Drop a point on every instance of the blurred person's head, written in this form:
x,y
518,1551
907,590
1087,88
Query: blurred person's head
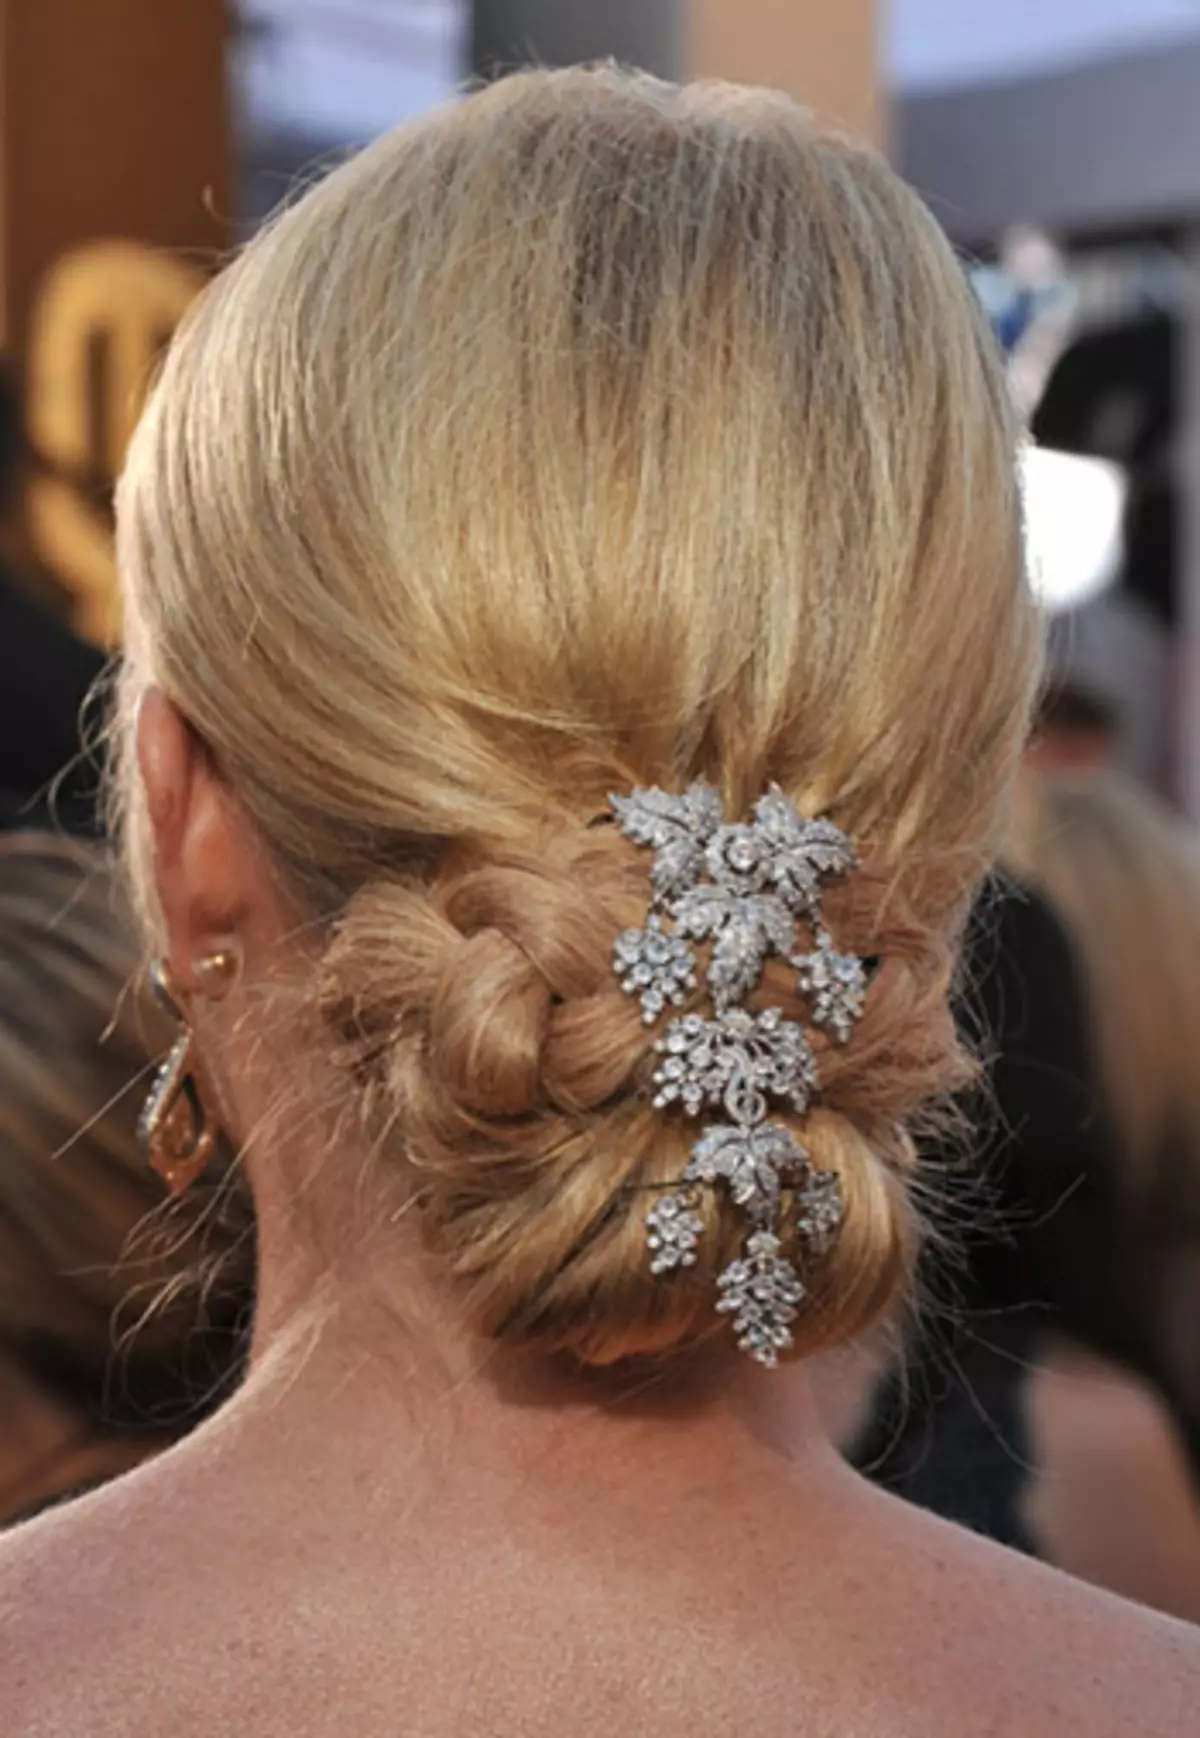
x,y
1123,870
119,1324
1123,1241
588,434
1075,728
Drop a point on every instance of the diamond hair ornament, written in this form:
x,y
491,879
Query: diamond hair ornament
x,y
745,887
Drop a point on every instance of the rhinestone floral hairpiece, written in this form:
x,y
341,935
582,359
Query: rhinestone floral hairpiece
x,y
744,887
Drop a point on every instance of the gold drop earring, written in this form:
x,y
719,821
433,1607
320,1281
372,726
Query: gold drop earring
x,y
176,1128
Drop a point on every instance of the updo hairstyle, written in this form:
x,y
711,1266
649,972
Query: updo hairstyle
x,y
590,433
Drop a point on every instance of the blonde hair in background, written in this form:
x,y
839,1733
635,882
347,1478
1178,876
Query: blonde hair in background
x,y
1124,872
588,433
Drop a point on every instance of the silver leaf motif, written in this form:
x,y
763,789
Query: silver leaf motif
x,y
703,808
802,853
754,1163
677,829
676,865
746,928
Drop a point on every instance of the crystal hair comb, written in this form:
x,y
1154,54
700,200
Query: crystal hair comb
x,y
745,888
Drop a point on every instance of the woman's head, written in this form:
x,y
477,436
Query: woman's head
x,y
1124,872
587,434
98,1301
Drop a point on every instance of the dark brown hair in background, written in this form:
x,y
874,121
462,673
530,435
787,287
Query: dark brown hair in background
x,y
129,1311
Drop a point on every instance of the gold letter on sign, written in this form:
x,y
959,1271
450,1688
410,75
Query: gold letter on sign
x,y
98,324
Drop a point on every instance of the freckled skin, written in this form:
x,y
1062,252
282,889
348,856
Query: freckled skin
x,y
359,1544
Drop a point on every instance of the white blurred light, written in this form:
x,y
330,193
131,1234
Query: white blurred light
x,y
1073,513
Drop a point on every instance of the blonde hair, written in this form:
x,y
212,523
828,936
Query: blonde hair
x,y
593,432
1124,872
86,1268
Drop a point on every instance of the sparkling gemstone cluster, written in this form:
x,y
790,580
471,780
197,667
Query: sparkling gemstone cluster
x,y
745,888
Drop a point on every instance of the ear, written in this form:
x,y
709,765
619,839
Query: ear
x,y
207,862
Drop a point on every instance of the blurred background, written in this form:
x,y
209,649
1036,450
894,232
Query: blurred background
x,y
1058,142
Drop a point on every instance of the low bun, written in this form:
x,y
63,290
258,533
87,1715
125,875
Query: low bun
x,y
481,1017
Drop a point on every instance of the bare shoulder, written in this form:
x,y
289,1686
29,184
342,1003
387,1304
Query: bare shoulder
x,y
40,1605
1041,1652
77,1590
120,1611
